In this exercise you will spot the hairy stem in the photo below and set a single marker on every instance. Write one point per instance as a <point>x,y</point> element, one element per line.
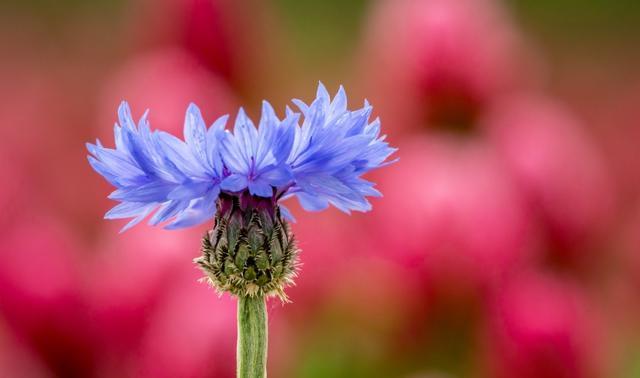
<point>252,337</point>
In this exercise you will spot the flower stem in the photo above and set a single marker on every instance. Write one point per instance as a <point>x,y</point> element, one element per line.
<point>252,337</point>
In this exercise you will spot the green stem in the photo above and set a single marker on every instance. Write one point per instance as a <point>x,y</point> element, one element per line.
<point>252,337</point>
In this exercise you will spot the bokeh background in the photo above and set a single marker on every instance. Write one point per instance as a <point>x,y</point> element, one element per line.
<point>507,244</point>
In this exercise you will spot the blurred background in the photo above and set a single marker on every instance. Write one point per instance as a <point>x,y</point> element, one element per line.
<point>507,244</point>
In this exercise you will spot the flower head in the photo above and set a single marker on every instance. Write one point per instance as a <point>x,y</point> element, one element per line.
<point>240,177</point>
<point>155,171</point>
<point>320,161</point>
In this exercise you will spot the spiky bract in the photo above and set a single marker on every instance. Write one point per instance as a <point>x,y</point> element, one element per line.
<point>250,251</point>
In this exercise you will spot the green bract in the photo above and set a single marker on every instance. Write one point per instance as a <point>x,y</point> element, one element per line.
<point>250,251</point>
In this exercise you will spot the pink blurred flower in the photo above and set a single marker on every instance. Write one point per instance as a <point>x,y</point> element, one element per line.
<point>556,164</point>
<point>192,333</point>
<point>629,242</point>
<point>40,296</point>
<point>15,192</point>
<point>164,81</point>
<point>40,139</point>
<point>450,207</point>
<point>366,284</point>
<point>615,111</point>
<point>326,239</point>
<point>136,269</point>
<point>540,327</point>
<point>446,57</point>
<point>340,273</point>
<point>200,26</point>
<point>228,38</point>
<point>16,360</point>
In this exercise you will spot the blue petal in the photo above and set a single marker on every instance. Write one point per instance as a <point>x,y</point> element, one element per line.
<point>190,190</point>
<point>126,210</point>
<point>277,176</point>
<point>117,163</point>
<point>339,103</point>
<point>124,116</point>
<point>234,183</point>
<point>195,132</point>
<point>232,155</point>
<point>322,92</point>
<point>260,188</point>
<point>285,138</point>
<point>246,134</point>
<point>139,218</point>
<point>199,211</point>
<point>286,213</point>
<point>103,170</point>
<point>156,191</point>
<point>266,134</point>
<point>311,203</point>
<point>179,154</point>
<point>215,135</point>
<point>167,210</point>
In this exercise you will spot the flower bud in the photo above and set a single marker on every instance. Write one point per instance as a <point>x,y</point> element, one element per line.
<point>250,250</point>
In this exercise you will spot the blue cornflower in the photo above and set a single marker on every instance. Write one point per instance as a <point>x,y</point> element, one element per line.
<point>320,161</point>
